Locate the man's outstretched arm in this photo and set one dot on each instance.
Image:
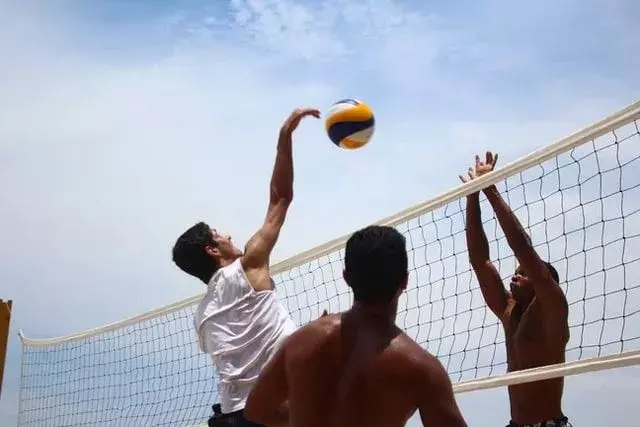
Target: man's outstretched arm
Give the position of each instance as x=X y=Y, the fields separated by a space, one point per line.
x=493 y=291
x=436 y=401
x=260 y=245
x=547 y=290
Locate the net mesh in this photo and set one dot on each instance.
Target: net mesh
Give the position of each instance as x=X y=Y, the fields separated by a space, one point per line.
x=580 y=208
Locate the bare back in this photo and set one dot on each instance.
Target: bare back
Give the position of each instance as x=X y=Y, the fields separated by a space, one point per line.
x=343 y=371
x=529 y=346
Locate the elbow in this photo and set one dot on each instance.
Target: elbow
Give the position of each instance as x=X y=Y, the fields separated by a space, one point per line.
x=519 y=242
x=478 y=258
x=277 y=196
x=252 y=413
x=281 y=199
x=263 y=412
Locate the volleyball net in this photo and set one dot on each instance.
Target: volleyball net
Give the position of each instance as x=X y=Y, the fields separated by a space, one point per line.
x=579 y=200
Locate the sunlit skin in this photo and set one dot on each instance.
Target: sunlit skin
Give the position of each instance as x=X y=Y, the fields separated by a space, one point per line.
x=533 y=312
x=355 y=368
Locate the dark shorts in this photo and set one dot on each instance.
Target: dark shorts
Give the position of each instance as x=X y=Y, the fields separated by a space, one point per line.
x=560 y=422
x=232 y=419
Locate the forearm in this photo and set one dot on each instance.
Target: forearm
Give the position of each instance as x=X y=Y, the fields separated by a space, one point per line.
x=477 y=243
x=282 y=178
x=280 y=418
x=517 y=237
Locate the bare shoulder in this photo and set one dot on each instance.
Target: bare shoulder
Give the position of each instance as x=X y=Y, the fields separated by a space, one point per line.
x=314 y=331
x=424 y=366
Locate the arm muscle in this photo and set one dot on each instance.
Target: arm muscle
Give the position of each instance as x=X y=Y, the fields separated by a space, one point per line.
x=493 y=291
x=548 y=292
x=436 y=401
x=268 y=396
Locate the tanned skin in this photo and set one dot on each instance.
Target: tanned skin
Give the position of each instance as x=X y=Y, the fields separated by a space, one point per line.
x=351 y=369
x=256 y=257
x=534 y=312
x=257 y=252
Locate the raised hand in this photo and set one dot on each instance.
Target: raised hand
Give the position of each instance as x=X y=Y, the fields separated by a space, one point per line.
x=480 y=168
x=294 y=119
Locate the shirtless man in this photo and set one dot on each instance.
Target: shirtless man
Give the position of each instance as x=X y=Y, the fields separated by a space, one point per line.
x=358 y=368
x=240 y=322
x=534 y=313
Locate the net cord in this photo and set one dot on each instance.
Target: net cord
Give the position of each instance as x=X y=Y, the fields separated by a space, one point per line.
x=602 y=127
x=595 y=364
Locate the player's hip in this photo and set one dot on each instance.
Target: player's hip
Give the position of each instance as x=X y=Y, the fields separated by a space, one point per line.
x=558 y=422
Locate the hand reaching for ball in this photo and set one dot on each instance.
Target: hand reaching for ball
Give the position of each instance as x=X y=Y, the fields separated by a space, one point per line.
x=294 y=119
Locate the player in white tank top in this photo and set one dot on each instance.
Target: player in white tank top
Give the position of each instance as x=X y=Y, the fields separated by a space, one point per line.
x=241 y=329
x=240 y=322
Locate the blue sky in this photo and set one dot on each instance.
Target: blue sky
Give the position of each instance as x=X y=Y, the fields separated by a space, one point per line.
x=121 y=123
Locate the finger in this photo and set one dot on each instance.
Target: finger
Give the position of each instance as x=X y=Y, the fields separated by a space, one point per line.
x=299 y=113
x=495 y=160
x=477 y=160
x=324 y=312
x=471 y=172
x=489 y=158
x=314 y=112
x=463 y=179
x=302 y=112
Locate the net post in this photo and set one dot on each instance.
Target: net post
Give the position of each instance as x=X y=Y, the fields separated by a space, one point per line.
x=5 y=320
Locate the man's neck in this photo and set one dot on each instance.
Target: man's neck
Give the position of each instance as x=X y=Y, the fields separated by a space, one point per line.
x=225 y=262
x=382 y=312
x=521 y=307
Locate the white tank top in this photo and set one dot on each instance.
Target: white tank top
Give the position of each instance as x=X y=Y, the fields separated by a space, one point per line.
x=241 y=329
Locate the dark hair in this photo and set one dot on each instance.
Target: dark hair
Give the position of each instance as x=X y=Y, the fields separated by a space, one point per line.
x=190 y=255
x=553 y=271
x=375 y=263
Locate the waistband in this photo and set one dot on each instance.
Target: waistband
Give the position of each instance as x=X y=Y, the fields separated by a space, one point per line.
x=558 y=422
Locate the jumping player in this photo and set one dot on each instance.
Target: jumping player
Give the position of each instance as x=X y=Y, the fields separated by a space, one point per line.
x=358 y=368
x=240 y=322
x=534 y=313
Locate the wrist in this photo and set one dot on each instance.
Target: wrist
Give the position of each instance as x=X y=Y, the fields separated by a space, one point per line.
x=491 y=190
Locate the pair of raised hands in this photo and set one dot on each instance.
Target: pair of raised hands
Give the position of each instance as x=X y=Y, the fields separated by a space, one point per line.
x=480 y=168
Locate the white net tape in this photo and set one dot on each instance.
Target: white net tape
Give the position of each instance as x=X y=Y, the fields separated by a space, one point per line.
x=578 y=198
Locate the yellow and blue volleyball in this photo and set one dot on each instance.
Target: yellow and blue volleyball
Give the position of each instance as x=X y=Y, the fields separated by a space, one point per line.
x=350 y=123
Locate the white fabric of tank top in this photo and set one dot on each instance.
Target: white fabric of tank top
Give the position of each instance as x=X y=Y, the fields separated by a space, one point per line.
x=241 y=330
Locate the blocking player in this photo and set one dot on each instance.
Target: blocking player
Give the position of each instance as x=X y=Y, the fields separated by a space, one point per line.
x=358 y=368
x=533 y=312
x=240 y=322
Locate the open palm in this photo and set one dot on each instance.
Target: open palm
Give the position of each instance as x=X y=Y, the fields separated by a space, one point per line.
x=481 y=168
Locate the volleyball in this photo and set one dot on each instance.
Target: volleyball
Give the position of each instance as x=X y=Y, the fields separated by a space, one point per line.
x=350 y=123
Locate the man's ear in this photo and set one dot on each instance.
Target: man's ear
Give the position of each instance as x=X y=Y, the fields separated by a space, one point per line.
x=212 y=251
x=404 y=283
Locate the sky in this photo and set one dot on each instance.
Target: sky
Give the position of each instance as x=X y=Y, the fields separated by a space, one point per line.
x=122 y=123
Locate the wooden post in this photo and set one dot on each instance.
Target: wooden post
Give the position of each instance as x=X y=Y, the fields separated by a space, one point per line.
x=5 y=320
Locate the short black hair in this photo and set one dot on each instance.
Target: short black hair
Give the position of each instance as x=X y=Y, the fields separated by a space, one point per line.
x=376 y=263
x=553 y=271
x=189 y=252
